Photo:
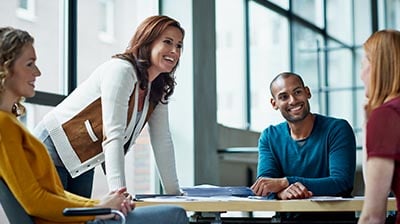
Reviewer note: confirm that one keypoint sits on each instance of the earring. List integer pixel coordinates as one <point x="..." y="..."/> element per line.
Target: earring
<point x="15" y="109"/>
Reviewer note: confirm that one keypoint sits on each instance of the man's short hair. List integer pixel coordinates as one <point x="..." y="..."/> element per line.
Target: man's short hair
<point x="285" y="75"/>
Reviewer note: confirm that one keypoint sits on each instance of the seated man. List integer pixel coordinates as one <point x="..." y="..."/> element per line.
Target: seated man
<point x="308" y="154"/>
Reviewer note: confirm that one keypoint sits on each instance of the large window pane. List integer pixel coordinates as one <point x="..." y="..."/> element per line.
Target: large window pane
<point x="341" y="104"/>
<point x="230" y="27"/>
<point x="310" y="10"/>
<point x="339" y="66"/>
<point x="362" y="13"/>
<point x="339" y="20"/>
<point x="269" y="55"/>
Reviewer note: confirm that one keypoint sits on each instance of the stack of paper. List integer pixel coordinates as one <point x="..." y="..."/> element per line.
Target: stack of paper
<point x="211" y="191"/>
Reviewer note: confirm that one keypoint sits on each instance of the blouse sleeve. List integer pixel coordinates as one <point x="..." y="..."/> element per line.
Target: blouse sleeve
<point x="383" y="133"/>
<point x="117" y="85"/>
<point x="163" y="148"/>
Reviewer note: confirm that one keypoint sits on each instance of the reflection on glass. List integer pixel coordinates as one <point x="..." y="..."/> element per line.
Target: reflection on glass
<point x="310" y="10"/>
<point x="269" y="56"/>
<point x="340" y="27"/>
<point x="231" y="82"/>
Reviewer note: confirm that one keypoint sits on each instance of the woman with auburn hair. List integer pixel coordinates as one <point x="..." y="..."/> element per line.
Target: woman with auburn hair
<point x="381" y="76"/>
<point x="102" y="118"/>
<point x="25" y="165"/>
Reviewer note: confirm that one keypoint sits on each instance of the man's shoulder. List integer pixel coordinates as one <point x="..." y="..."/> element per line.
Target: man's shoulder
<point x="329" y="119"/>
<point x="331" y="124"/>
<point x="275" y="128"/>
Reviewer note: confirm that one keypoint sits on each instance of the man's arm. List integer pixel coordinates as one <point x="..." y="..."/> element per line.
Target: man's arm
<point x="269" y="177"/>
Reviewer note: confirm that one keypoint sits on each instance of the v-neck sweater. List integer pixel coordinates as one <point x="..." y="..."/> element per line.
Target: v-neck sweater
<point x="325" y="163"/>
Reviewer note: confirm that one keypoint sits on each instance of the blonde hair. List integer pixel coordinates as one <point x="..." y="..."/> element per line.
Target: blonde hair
<point x="12" y="41"/>
<point x="383" y="52"/>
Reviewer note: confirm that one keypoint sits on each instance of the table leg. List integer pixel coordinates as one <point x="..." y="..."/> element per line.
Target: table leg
<point x="217" y="219"/>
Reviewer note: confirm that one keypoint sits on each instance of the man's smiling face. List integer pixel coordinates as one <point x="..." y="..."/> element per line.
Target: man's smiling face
<point x="291" y="98"/>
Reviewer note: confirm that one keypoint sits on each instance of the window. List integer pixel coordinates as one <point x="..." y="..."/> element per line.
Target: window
<point x="340" y="27"/>
<point x="282" y="3"/>
<point x="231" y="79"/>
<point x="269" y="56"/>
<point x="307" y="37"/>
<point x="310" y="10"/>
<point x="392" y="14"/>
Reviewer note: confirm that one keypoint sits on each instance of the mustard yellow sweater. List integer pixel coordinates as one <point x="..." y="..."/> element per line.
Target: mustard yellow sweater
<point x="30" y="174"/>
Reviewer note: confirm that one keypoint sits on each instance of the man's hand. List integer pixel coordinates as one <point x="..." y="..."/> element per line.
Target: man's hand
<point x="265" y="185"/>
<point x="295" y="191"/>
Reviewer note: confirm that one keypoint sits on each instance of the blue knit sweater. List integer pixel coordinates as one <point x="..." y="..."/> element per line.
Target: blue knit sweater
<point x="325" y="163"/>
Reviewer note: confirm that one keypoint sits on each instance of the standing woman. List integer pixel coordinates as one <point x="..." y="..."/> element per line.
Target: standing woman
<point x="381" y="76"/>
<point x="102" y="118"/>
<point x="25" y="165"/>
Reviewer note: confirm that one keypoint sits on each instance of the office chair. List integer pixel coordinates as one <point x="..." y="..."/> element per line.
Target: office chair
<point x="14" y="211"/>
<point x="17" y="215"/>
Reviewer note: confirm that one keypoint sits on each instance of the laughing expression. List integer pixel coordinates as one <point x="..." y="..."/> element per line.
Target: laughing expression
<point x="165" y="52"/>
<point x="291" y="98"/>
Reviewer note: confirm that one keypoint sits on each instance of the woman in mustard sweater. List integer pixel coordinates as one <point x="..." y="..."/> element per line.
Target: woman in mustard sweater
<point x="25" y="165"/>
